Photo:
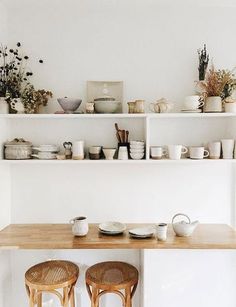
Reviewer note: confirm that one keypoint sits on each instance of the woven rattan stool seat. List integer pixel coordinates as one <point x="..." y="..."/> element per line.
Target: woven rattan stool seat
<point x="50" y="276"/>
<point x="110" y="277"/>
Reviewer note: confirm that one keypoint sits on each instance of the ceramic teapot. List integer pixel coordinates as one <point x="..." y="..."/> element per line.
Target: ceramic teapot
<point x="183" y="228"/>
<point x="161" y="106"/>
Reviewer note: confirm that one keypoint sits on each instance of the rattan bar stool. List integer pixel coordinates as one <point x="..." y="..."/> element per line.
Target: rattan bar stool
<point x="111" y="277"/>
<point x="50" y="276"/>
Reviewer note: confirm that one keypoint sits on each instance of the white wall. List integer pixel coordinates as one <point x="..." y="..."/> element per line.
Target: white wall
<point x="151" y="45"/>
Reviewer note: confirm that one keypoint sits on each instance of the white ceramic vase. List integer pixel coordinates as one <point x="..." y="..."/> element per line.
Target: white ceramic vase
<point x="213" y="104"/>
<point x="17" y="105"/>
<point x="4" y="107"/>
<point x="230" y="107"/>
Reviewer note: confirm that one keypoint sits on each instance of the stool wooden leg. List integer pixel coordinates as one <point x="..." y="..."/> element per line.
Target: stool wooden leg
<point x="94" y="300"/>
<point x="72" y="297"/>
<point x="65" y="297"/>
<point x="31" y="298"/>
<point x="39" y="299"/>
<point x="128" y="302"/>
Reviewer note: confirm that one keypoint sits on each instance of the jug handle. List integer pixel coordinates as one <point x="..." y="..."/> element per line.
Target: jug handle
<point x="181" y="214"/>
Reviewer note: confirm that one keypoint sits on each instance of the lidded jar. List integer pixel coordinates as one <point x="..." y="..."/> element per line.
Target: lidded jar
<point x="18" y="149"/>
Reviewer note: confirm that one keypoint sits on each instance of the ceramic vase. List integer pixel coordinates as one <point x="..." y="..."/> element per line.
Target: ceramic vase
<point x="213" y="104"/>
<point x="4" y="107"/>
<point x="17" y="106"/>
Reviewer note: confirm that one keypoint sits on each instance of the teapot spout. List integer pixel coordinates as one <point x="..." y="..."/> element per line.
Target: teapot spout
<point x="194" y="224"/>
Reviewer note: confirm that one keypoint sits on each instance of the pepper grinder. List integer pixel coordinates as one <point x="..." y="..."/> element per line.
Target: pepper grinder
<point x="68" y="150"/>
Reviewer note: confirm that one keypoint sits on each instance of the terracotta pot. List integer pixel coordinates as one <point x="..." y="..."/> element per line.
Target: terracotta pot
<point x="213" y="104"/>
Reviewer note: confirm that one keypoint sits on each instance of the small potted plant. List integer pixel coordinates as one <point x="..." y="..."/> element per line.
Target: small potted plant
<point x="33" y="99"/>
<point x="213" y="89"/>
<point x="230" y="87"/>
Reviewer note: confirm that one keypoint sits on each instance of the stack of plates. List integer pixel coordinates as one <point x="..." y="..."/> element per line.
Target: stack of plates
<point x="142" y="233"/>
<point x="112" y="228"/>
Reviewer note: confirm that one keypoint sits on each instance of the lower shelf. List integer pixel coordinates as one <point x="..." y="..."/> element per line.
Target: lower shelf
<point x="59" y="236"/>
<point x="87" y="161"/>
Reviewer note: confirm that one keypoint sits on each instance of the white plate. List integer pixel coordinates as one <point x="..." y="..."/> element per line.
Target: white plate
<point x="142" y="232"/>
<point x="192" y="111"/>
<point x="112" y="227"/>
<point x="140" y="237"/>
<point x="111" y="233"/>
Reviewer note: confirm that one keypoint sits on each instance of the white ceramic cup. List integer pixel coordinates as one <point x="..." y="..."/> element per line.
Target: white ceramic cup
<point x="175" y="151"/>
<point x="214" y="150"/>
<point x="161" y="231"/>
<point x="123" y="153"/>
<point x="157" y="152"/>
<point x="198" y="152"/>
<point x="192" y="102"/>
<point x="79" y="226"/>
<point x="227" y="148"/>
<point x="95" y="149"/>
<point x="109" y="153"/>
<point x="78" y="150"/>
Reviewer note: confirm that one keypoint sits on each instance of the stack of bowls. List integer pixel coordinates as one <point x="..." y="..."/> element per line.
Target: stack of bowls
<point x="137" y="149"/>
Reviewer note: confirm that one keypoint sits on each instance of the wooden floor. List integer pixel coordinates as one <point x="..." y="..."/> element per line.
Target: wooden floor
<point x="59" y="236"/>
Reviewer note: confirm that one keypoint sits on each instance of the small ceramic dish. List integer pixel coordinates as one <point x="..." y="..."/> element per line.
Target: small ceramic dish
<point x="112" y="227"/>
<point x="142" y="232"/>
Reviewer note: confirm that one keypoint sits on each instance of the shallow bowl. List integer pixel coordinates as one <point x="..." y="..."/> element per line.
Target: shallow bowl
<point x="136" y="156"/>
<point x="69" y="105"/>
<point x="106" y="106"/>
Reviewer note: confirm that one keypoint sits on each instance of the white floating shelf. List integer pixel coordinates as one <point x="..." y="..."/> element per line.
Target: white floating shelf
<point x="93" y="162"/>
<point x="123" y="115"/>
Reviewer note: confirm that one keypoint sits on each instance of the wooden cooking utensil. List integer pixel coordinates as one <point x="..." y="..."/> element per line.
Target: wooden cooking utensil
<point x="127" y="137"/>
<point x="118" y="137"/>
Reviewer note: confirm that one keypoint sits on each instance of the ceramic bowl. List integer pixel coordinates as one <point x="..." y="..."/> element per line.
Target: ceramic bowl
<point x="69" y="105"/>
<point x="136" y="156"/>
<point x="136" y="147"/>
<point x="109" y="153"/>
<point x="136" y="143"/>
<point x="137" y="151"/>
<point x="109" y="106"/>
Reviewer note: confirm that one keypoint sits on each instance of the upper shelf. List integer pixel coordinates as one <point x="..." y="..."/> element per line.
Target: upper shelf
<point x="123" y="115"/>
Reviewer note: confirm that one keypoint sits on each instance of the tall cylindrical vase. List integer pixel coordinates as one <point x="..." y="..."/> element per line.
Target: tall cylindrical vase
<point x="4" y="106"/>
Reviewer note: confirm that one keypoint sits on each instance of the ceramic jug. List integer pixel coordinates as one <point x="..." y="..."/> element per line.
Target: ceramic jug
<point x="79" y="226"/>
<point x="161" y="106"/>
<point x="183" y="228"/>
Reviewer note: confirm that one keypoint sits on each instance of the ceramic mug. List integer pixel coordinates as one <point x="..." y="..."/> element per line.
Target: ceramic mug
<point x="139" y="106"/>
<point x="198" y="152"/>
<point x="79" y="226"/>
<point x="227" y="148"/>
<point x="78" y="150"/>
<point x="214" y="150"/>
<point x="175" y="151"/>
<point x="157" y="152"/>
<point x="192" y="102"/>
<point x="161" y="231"/>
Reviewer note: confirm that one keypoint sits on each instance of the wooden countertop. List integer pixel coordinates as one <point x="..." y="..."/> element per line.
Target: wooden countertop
<point x="59" y="236"/>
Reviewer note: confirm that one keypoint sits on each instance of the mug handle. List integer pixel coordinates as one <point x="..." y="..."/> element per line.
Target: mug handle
<point x="184" y="150"/>
<point x="151" y="107"/>
<point x="35" y="156"/>
<point x="206" y="153"/>
<point x="201" y="104"/>
<point x="72" y="221"/>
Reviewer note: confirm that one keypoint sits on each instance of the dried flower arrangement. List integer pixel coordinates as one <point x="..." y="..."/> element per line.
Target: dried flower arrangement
<point x="33" y="98"/>
<point x="15" y="78"/>
<point x="203" y="57"/>
<point x="218" y="83"/>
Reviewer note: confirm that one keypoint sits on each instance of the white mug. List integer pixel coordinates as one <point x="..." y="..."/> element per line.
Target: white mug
<point x="157" y="152"/>
<point x="198" y="152"/>
<point x="192" y="102"/>
<point x="227" y="148"/>
<point x="78" y="150"/>
<point x="175" y="151"/>
<point x="161" y="231"/>
<point x="214" y="150"/>
<point x="79" y="226"/>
